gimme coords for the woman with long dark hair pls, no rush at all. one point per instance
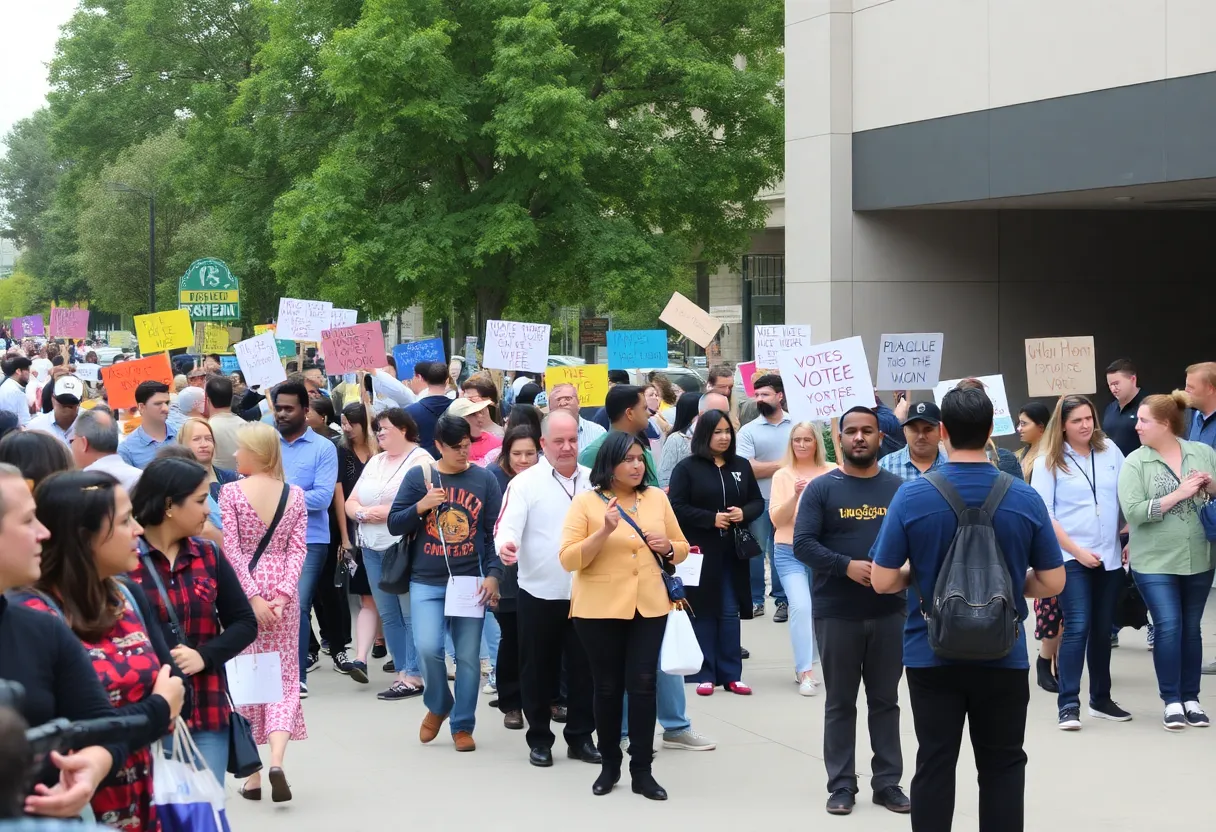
(1032, 422)
(678, 444)
(37, 455)
(1048, 619)
(356, 448)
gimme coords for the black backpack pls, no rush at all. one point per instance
(975, 614)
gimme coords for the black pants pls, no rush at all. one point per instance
(993, 701)
(546, 638)
(624, 658)
(332, 606)
(506, 672)
(853, 651)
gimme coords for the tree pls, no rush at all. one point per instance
(19, 296)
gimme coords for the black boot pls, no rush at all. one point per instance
(645, 785)
(1045, 678)
(610, 775)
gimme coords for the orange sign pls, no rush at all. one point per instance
(121, 379)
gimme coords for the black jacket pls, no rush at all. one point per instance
(699, 490)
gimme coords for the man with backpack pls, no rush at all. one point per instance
(972, 543)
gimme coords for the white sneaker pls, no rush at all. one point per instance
(809, 686)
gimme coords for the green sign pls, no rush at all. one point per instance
(209, 292)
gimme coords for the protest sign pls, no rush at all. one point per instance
(770, 340)
(69, 323)
(303, 320)
(350, 348)
(259, 361)
(342, 317)
(287, 348)
(590, 382)
(215, 339)
(88, 372)
(235, 333)
(28, 326)
(824, 380)
(258, 329)
(161, 331)
(994, 386)
(122, 378)
(229, 364)
(408, 355)
(200, 337)
(1060, 366)
(690, 320)
(120, 338)
(747, 369)
(513, 345)
(910, 361)
(632, 349)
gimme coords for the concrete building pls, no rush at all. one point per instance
(998, 170)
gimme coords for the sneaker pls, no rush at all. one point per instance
(379, 651)
(342, 663)
(1070, 718)
(399, 690)
(1195, 717)
(303, 691)
(1174, 718)
(893, 799)
(358, 672)
(808, 686)
(1114, 640)
(757, 610)
(389, 667)
(1109, 710)
(487, 669)
(689, 740)
(314, 659)
(491, 685)
(744, 653)
(841, 802)
(325, 646)
(782, 614)
(1150, 636)
(1209, 669)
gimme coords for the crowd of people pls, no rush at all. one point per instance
(515, 543)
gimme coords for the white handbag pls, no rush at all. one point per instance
(680, 654)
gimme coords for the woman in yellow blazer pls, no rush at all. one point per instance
(619, 602)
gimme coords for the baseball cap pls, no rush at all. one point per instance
(464, 407)
(68, 387)
(924, 412)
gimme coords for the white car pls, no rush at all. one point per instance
(565, 361)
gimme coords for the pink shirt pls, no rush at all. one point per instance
(482, 446)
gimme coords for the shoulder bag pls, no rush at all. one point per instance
(274, 524)
(746, 545)
(397, 565)
(674, 585)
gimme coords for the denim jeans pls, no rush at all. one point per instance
(491, 634)
(1088, 603)
(762, 529)
(1176, 604)
(394, 617)
(669, 691)
(314, 563)
(720, 640)
(212, 745)
(796, 579)
(426, 609)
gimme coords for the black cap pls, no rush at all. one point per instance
(924, 412)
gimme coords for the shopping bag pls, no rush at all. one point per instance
(187, 796)
(255, 678)
(680, 654)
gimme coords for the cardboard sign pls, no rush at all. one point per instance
(342, 317)
(408, 355)
(28, 326)
(235, 333)
(747, 369)
(350, 348)
(633, 349)
(825, 380)
(770, 340)
(162, 331)
(690, 320)
(121, 339)
(303, 320)
(215, 339)
(122, 378)
(1060, 366)
(994, 386)
(69, 323)
(89, 372)
(513, 345)
(910, 361)
(258, 358)
(590, 382)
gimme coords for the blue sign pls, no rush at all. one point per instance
(228, 364)
(632, 349)
(407, 355)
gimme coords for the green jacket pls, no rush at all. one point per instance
(587, 458)
(1172, 543)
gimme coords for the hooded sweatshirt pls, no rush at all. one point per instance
(426, 412)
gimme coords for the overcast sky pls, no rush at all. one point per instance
(30, 29)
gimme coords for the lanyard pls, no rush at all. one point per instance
(570, 494)
(1091, 479)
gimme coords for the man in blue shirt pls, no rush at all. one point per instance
(1201, 387)
(152, 402)
(311, 462)
(923, 453)
(991, 696)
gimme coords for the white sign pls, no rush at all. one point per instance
(259, 360)
(825, 380)
(994, 386)
(512, 345)
(255, 678)
(770, 340)
(89, 372)
(732, 314)
(303, 320)
(910, 361)
(689, 569)
(342, 317)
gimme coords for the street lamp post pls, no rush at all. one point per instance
(151, 197)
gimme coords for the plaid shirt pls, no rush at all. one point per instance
(192, 583)
(900, 464)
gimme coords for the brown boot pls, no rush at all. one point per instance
(431, 723)
(464, 741)
(514, 720)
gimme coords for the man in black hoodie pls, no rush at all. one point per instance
(426, 411)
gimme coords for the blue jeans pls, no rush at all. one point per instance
(1176, 604)
(426, 608)
(491, 634)
(719, 638)
(796, 579)
(669, 692)
(1088, 604)
(762, 529)
(394, 617)
(314, 563)
(212, 745)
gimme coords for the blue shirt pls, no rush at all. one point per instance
(311, 462)
(920, 525)
(139, 449)
(900, 463)
(1203, 430)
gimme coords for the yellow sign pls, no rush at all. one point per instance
(221, 296)
(258, 329)
(120, 338)
(590, 382)
(215, 339)
(162, 331)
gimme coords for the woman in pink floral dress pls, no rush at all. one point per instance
(248, 508)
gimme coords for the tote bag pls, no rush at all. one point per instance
(680, 654)
(187, 798)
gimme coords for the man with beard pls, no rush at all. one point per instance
(764, 441)
(860, 632)
(923, 453)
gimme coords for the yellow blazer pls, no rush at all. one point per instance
(624, 578)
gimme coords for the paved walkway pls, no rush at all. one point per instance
(364, 769)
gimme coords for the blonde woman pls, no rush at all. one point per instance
(265, 522)
(805, 459)
(196, 435)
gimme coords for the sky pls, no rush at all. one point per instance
(30, 29)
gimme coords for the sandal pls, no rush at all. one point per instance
(250, 794)
(739, 688)
(705, 689)
(280, 791)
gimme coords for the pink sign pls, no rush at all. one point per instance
(27, 326)
(69, 323)
(351, 348)
(748, 369)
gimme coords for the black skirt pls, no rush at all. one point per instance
(358, 582)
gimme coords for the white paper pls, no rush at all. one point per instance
(910, 361)
(461, 598)
(88, 372)
(994, 386)
(770, 340)
(342, 317)
(689, 571)
(512, 345)
(303, 320)
(259, 360)
(255, 678)
(825, 380)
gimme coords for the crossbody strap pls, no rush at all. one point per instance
(145, 555)
(624, 516)
(274, 524)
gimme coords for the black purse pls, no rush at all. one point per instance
(397, 565)
(243, 757)
(746, 545)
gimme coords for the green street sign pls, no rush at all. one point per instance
(209, 292)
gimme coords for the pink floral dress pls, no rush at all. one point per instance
(277, 573)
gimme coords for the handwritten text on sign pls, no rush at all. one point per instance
(825, 380)
(259, 360)
(69, 323)
(303, 320)
(409, 355)
(690, 320)
(994, 386)
(511, 345)
(590, 382)
(350, 348)
(1060, 366)
(910, 361)
(122, 378)
(163, 331)
(771, 340)
(632, 349)
(215, 339)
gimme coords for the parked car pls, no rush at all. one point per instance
(687, 378)
(565, 361)
(105, 355)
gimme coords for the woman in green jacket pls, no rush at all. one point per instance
(1162, 487)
